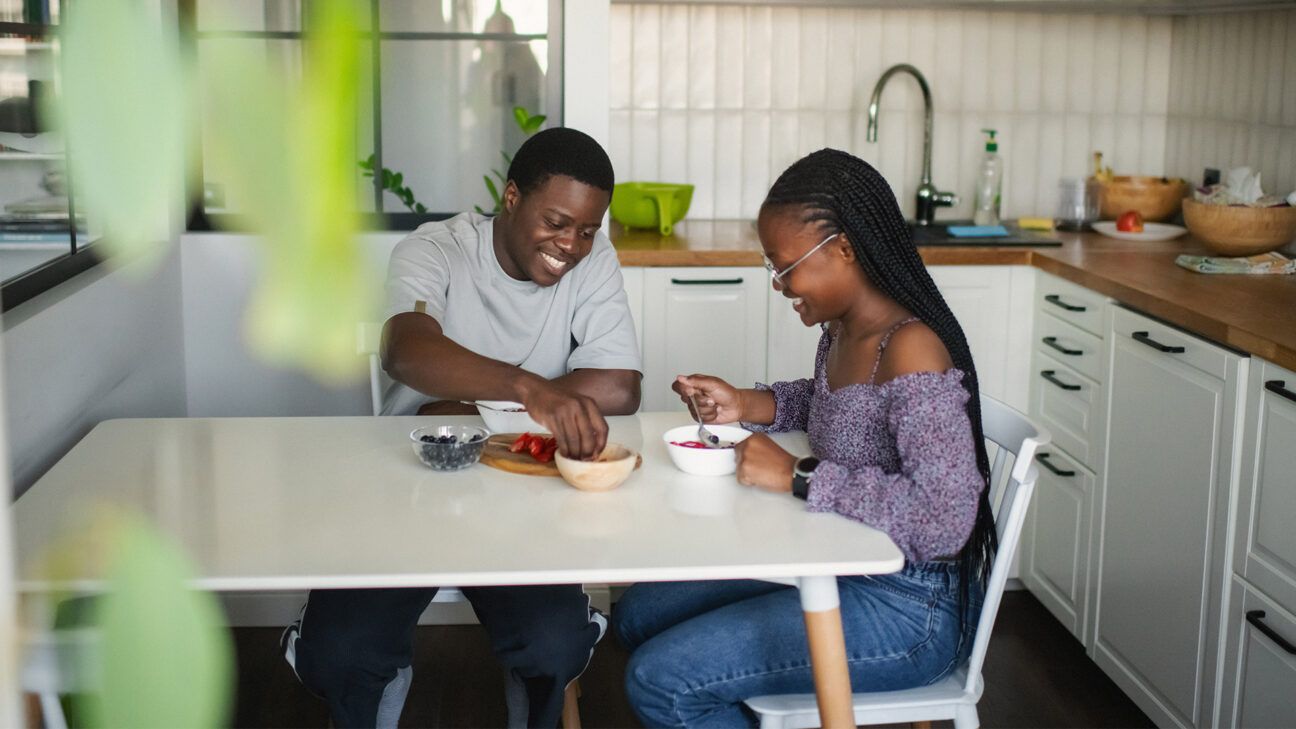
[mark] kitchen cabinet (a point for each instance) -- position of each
(1163, 524)
(1265, 545)
(1260, 664)
(1259, 674)
(1055, 551)
(704, 320)
(1068, 377)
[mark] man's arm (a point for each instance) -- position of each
(617, 392)
(412, 340)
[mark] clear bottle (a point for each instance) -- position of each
(989, 183)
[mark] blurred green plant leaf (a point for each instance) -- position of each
(288, 149)
(494, 192)
(526, 121)
(123, 109)
(160, 649)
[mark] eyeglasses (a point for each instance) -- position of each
(777, 276)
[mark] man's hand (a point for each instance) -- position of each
(764, 464)
(574, 419)
(717, 400)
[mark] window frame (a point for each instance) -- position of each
(79, 258)
(199, 220)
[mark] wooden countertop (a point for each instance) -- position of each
(1253, 314)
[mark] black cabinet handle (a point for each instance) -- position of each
(1044, 461)
(1048, 375)
(1052, 342)
(1056, 300)
(1280, 387)
(1154, 344)
(706, 281)
(1256, 618)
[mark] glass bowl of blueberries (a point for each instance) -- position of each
(449, 447)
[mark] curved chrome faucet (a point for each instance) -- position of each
(927, 198)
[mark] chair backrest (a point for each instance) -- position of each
(1015, 436)
(368, 339)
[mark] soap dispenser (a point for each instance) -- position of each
(989, 183)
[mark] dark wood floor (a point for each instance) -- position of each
(1036, 675)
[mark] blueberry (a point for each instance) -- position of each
(427, 438)
(476, 438)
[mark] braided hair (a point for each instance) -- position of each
(843, 194)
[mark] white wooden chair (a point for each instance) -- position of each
(954, 697)
(56, 663)
(368, 342)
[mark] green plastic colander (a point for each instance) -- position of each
(657, 205)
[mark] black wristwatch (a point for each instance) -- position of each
(802, 470)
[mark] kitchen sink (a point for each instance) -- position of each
(938, 234)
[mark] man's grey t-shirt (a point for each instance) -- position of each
(582, 322)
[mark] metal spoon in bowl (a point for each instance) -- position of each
(480, 404)
(710, 439)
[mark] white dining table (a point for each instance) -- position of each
(343, 502)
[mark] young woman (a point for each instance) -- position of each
(894, 422)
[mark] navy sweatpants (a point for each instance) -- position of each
(352, 644)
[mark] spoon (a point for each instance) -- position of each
(492, 407)
(710, 439)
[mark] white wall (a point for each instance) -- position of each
(727, 96)
(1233, 96)
(106, 344)
(223, 378)
(9, 703)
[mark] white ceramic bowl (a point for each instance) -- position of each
(703, 461)
(611, 469)
(503, 416)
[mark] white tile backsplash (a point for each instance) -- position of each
(1233, 96)
(764, 85)
(674, 74)
(761, 81)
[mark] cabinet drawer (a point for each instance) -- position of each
(1055, 560)
(1071, 303)
(1072, 345)
(1266, 537)
(1260, 674)
(1170, 342)
(1069, 405)
(703, 320)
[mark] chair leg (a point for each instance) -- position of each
(571, 707)
(771, 721)
(52, 711)
(965, 717)
(31, 711)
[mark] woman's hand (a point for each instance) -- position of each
(717, 400)
(764, 464)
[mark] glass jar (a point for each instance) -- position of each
(1079, 203)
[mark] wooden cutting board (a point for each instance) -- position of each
(496, 454)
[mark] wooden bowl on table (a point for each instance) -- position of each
(1234, 230)
(1155, 198)
(604, 473)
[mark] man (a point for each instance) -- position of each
(527, 306)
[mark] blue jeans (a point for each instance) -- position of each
(701, 648)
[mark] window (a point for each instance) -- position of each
(39, 246)
(443, 78)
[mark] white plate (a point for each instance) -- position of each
(1151, 231)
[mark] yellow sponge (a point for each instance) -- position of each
(1035, 223)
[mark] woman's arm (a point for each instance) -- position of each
(778, 408)
(929, 507)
